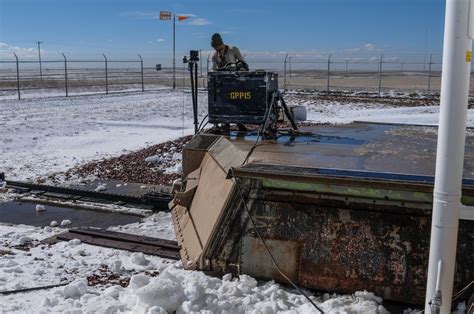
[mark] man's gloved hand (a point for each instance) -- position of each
(230, 67)
(242, 66)
(239, 66)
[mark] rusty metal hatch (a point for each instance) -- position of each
(343, 209)
(256, 262)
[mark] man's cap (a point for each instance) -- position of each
(216, 40)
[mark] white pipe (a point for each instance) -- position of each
(450, 150)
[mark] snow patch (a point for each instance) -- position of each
(65, 222)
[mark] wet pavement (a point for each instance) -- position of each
(25, 213)
(376, 147)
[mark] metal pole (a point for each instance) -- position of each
(200, 63)
(329, 73)
(196, 96)
(380, 74)
(141, 64)
(106, 74)
(347, 62)
(284, 73)
(39, 57)
(65, 75)
(429, 75)
(17, 76)
(207, 65)
(193, 96)
(424, 54)
(174, 51)
(289, 60)
(458, 33)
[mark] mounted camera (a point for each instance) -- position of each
(193, 57)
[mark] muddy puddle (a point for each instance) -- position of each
(25, 213)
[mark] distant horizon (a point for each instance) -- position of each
(405, 29)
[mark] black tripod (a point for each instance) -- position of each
(193, 72)
(270, 120)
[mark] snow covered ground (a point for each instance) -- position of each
(47, 135)
(156, 285)
(43, 136)
(336, 113)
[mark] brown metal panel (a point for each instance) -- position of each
(226, 154)
(210, 199)
(189, 241)
(195, 225)
(184, 199)
(346, 251)
(255, 260)
(192, 160)
(194, 151)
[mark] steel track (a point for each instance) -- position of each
(123, 241)
(152, 200)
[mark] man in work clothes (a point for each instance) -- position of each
(225, 55)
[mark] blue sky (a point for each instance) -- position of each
(121, 28)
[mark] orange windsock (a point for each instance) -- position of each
(182, 17)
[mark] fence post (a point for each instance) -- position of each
(106, 74)
(65, 74)
(207, 65)
(329, 73)
(200, 62)
(380, 74)
(289, 60)
(284, 73)
(429, 75)
(17, 76)
(141, 64)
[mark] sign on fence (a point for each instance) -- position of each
(158, 67)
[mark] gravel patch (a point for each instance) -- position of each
(136, 166)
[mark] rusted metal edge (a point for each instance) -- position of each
(229, 214)
(337, 201)
(159, 247)
(349, 190)
(157, 201)
(108, 234)
(388, 186)
(180, 238)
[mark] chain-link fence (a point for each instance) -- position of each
(374, 76)
(69, 77)
(377, 76)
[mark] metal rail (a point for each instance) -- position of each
(117, 240)
(156, 200)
